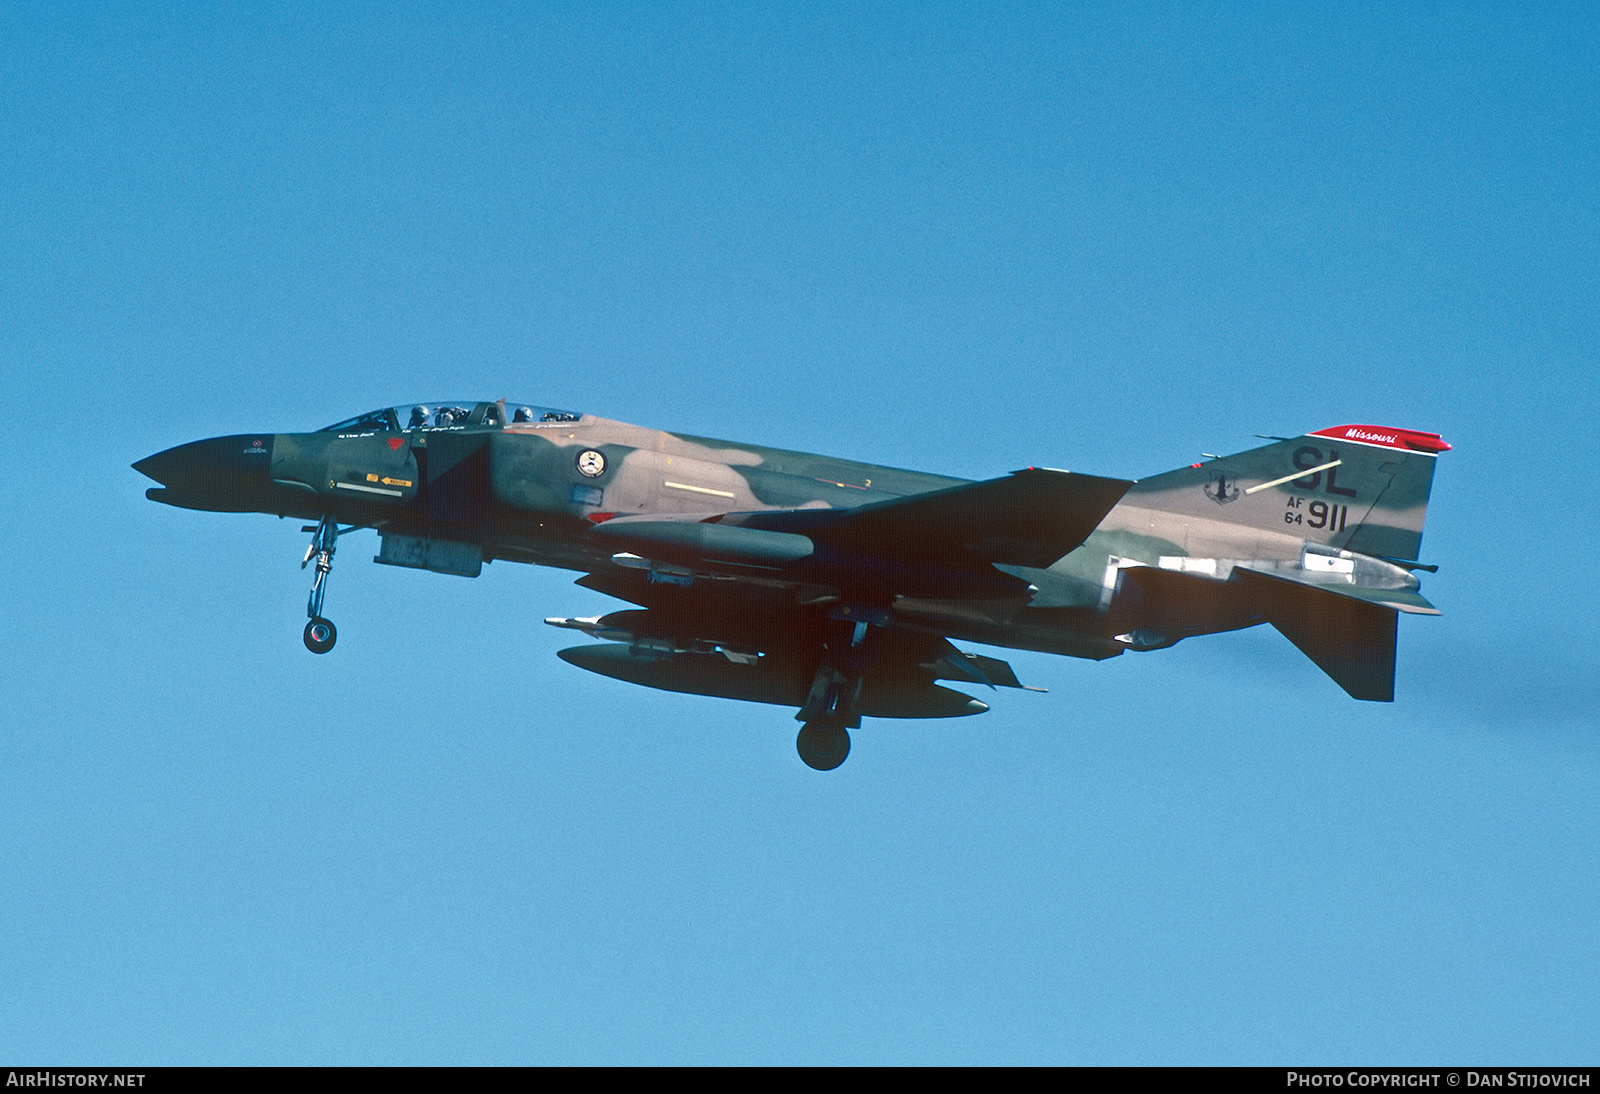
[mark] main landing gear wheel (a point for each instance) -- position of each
(823, 745)
(321, 635)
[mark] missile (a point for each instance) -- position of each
(594, 626)
(692, 542)
(650, 635)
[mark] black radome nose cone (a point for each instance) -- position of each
(163, 466)
(228, 473)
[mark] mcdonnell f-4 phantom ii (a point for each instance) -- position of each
(836, 587)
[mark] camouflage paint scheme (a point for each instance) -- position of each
(835, 586)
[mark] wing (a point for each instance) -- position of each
(798, 607)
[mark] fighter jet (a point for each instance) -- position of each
(837, 587)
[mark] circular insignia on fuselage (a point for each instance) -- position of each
(591, 463)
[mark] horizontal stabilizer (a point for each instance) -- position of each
(1403, 600)
(1029, 518)
(1349, 639)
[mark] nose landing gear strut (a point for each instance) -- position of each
(320, 634)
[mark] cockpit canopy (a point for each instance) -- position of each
(453, 414)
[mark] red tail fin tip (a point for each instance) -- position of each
(1386, 437)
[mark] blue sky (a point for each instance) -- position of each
(956, 238)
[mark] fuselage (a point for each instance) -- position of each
(454, 484)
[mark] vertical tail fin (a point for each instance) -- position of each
(1359, 488)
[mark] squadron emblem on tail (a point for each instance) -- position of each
(1222, 491)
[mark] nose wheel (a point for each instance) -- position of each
(320, 634)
